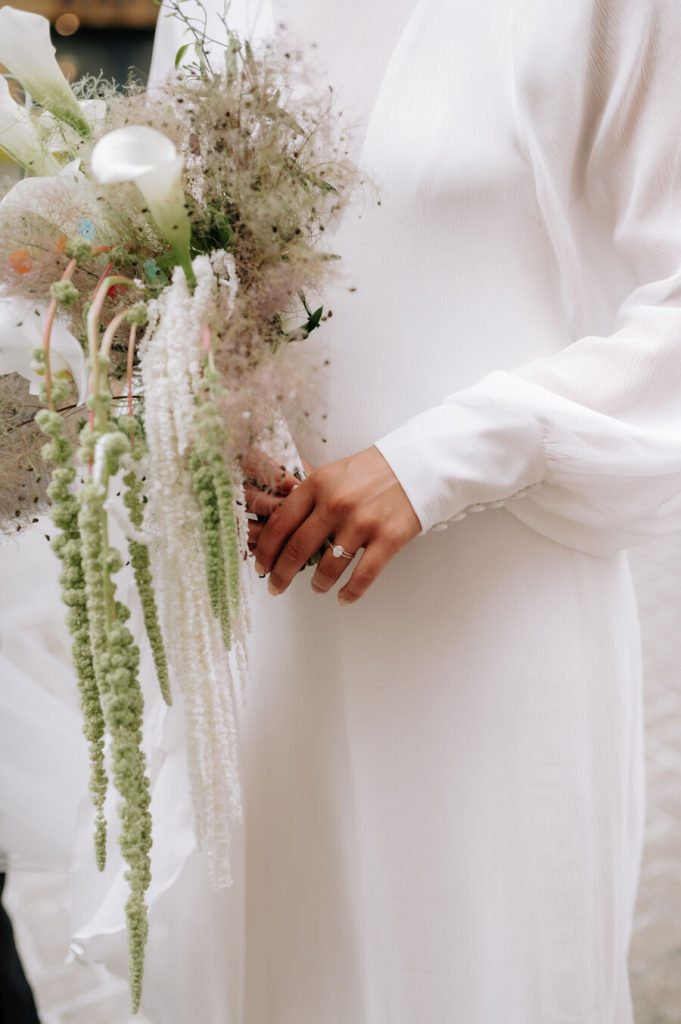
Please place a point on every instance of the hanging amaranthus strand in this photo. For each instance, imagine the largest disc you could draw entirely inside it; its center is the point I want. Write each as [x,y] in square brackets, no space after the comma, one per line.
[116,663]
[139,555]
[214,490]
[67,547]
[171,375]
[115,655]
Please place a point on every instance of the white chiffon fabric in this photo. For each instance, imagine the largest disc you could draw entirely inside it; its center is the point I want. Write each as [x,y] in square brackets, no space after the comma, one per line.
[443,784]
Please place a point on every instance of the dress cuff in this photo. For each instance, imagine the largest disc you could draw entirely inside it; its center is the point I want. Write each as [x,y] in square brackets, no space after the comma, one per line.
[476,450]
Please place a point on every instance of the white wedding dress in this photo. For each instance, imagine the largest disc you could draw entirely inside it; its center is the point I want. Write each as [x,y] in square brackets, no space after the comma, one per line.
[443,784]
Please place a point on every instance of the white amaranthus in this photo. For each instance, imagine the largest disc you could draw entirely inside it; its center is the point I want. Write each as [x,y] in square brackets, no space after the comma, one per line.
[199,665]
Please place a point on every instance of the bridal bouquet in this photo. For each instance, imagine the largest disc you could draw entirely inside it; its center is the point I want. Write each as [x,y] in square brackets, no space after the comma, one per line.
[154,265]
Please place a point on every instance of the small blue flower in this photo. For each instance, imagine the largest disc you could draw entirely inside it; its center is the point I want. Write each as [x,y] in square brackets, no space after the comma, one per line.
[151,269]
[86,229]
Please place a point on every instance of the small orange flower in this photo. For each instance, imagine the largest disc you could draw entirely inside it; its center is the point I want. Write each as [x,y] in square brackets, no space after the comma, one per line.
[21,261]
[60,244]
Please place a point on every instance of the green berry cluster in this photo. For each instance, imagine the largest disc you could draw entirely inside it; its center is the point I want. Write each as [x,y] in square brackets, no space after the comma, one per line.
[78,249]
[64,293]
[60,382]
[104,653]
[67,547]
[214,490]
[116,665]
[139,554]
[123,709]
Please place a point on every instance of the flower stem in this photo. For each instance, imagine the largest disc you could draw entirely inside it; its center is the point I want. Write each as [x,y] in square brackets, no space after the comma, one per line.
[99,358]
[183,259]
[94,313]
[109,333]
[131,359]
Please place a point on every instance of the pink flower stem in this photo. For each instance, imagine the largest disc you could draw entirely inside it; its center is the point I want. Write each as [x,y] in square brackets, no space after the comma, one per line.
[93,316]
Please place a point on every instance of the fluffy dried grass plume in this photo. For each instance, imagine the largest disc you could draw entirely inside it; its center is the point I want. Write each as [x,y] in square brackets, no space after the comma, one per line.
[23,474]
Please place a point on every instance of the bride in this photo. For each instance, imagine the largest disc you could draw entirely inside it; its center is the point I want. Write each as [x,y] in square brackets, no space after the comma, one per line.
[442,736]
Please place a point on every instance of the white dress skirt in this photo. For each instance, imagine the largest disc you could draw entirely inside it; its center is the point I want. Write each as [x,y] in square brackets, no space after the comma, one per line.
[443,783]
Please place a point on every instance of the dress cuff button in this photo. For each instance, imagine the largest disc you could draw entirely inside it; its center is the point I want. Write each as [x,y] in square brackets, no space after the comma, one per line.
[459,515]
[438,527]
[478,507]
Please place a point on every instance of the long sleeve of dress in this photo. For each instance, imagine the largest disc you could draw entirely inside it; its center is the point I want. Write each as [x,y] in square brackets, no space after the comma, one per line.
[593,431]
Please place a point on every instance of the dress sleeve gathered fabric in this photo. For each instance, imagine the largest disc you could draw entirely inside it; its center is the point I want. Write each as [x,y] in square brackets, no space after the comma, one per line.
[594,431]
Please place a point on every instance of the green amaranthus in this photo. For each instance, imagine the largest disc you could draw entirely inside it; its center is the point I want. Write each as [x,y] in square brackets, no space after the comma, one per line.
[105,654]
[214,490]
[116,665]
[67,547]
[133,499]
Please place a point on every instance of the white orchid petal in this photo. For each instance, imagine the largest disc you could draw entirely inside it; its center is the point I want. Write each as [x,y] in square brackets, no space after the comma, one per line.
[27,52]
[21,331]
[19,138]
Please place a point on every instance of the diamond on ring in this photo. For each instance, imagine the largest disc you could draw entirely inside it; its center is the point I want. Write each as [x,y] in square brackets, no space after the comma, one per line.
[338,551]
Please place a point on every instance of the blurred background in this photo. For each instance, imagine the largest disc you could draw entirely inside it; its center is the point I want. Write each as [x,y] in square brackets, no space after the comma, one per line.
[111,36]
[116,37]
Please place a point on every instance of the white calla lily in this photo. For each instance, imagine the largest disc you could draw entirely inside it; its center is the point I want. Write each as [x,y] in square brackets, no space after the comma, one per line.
[148,158]
[19,138]
[27,52]
[21,331]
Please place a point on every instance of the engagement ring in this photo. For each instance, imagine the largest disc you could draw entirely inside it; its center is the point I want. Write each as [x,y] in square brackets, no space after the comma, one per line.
[338,551]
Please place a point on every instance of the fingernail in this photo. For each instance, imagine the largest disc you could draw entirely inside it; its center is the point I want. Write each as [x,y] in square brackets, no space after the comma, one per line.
[317,590]
[343,601]
[259,569]
[272,588]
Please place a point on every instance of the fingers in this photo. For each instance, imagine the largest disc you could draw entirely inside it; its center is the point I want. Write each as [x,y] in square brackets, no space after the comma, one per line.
[283,522]
[268,474]
[330,568]
[300,547]
[370,566]
[254,531]
[261,502]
